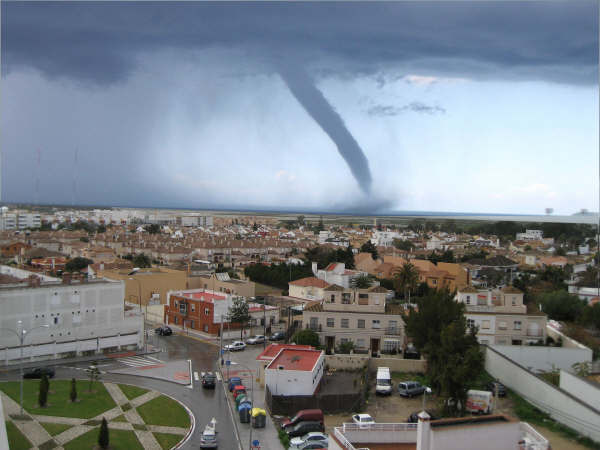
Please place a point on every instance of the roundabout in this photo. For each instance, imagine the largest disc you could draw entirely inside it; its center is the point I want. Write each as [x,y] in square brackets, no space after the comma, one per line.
[138,418]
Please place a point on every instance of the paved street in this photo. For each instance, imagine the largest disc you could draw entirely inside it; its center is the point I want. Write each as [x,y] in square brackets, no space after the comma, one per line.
[204,403]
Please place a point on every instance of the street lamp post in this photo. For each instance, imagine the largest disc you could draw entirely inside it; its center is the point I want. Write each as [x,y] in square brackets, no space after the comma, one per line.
[143,315]
[427,391]
[251,398]
[21,336]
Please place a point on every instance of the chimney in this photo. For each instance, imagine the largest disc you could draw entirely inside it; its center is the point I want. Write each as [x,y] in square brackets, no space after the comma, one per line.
[314,268]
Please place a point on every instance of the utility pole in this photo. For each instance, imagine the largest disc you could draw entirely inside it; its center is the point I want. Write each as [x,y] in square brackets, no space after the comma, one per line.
[221,341]
[264,322]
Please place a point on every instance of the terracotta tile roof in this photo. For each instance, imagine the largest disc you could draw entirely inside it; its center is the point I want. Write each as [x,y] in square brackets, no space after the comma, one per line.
[334,287]
[378,289]
[310,281]
[314,307]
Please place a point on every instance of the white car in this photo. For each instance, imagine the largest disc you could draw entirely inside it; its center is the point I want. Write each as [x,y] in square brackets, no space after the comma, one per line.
[235,346]
[363,419]
[298,443]
[258,339]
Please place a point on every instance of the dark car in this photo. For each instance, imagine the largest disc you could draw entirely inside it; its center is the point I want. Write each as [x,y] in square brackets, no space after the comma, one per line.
[39,372]
[302,428]
[277,336]
[496,386]
[164,331]
[209,380]
[411,353]
[414,417]
[233,382]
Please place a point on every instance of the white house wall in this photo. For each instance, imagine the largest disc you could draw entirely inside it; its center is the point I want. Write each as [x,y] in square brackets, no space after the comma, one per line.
[544,358]
[580,388]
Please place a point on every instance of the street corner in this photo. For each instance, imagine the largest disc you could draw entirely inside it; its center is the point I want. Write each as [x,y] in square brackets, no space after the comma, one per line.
[174,371]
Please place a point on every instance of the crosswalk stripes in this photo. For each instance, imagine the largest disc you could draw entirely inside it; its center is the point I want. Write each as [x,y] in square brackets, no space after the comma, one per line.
[140,361]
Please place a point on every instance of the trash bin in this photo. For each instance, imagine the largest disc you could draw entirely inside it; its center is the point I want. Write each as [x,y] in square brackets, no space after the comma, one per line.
[239,389]
[259,418]
[240,398]
[233,381]
[244,411]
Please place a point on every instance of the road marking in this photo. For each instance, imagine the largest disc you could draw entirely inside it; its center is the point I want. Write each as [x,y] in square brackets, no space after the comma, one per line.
[196,377]
[155,359]
[139,361]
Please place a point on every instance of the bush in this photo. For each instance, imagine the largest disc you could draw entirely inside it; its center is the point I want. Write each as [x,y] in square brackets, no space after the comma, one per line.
[43,394]
[283,438]
[346,347]
[73,393]
[306,337]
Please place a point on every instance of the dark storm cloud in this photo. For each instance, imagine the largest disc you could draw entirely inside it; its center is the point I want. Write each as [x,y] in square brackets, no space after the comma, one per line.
[418,107]
[98,42]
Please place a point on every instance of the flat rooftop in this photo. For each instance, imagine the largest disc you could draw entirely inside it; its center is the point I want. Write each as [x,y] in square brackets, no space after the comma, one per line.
[295,359]
[273,349]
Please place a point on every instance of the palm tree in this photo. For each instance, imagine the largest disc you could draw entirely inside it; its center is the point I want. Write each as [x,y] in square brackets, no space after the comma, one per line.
[363,281]
[406,279]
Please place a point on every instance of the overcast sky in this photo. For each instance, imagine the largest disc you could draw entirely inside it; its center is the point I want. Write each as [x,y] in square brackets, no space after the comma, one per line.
[428,106]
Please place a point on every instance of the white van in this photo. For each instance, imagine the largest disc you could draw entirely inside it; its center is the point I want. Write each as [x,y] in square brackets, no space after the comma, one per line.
[479,402]
[384,381]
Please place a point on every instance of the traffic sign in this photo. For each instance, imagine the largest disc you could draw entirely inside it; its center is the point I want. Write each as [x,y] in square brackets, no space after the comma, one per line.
[227,363]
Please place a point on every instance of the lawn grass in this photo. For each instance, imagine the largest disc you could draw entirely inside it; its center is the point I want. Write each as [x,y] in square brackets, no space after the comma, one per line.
[16,440]
[118,439]
[167,441]
[90,404]
[55,428]
[164,411]
[410,376]
[529,413]
[132,392]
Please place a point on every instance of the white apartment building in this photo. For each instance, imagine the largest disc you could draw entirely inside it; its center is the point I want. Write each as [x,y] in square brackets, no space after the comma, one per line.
[63,317]
[501,317]
[8,221]
[28,220]
[336,273]
[530,235]
[384,238]
[359,316]
[295,371]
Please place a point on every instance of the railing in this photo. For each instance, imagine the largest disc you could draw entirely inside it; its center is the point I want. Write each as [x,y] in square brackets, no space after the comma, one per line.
[314,327]
[481,308]
[531,439]
[393,331]
[342,439]
[536,333]
[346,427]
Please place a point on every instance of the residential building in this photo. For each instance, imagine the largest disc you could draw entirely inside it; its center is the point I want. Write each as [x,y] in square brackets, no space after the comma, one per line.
[69,316]
[359,316]
[309,288]
[205,310]
[295,371]
[222,282]
[501,317]
[336,273]
[13,249]
[99,254]
[8,221]
[28,220]
[384,238]
[530,235]
[269,353]
[492,432]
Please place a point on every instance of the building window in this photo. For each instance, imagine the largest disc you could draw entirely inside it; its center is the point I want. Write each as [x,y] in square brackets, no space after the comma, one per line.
[363,296]
[206,311]
[192,324]
[468,300]
[502,326]
[175,320]
[182,308]
[470,323]
[314,323]
[345,323]
[360,343]
[330,322]
[485,324]
[193,307]
[514,301]
[346,299]
[343,340]
[361,323]
[376,323]
[175,303]
[332,298]
[517,324]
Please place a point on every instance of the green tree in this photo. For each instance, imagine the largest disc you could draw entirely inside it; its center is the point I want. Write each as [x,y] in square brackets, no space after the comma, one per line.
[141,260]
[153,228]
[103,437]
[84,239]
[402,244]
[77,264]
[362,281]
[406,279]
[560,305]
[306,337]
[43,392]
[369,247]
[73,393]
[438,328]
[101,229]
[239,313]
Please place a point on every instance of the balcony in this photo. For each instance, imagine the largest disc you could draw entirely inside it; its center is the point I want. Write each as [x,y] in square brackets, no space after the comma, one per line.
[317,328]
[393,331]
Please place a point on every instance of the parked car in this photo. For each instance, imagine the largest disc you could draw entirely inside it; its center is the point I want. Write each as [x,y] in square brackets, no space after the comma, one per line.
[304,415]
[314,446]
[277,336]
[300,429]
[496,386]
[235,346]
[258,339]
[233,382]
[414,417]
[39,372]
[209,380]
[314,437]
[362,419]
[383,384]
[410,388]
[163,331]
[208,438]
[411,353]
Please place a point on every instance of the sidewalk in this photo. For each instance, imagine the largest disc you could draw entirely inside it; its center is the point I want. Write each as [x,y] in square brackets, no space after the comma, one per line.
[78,359]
